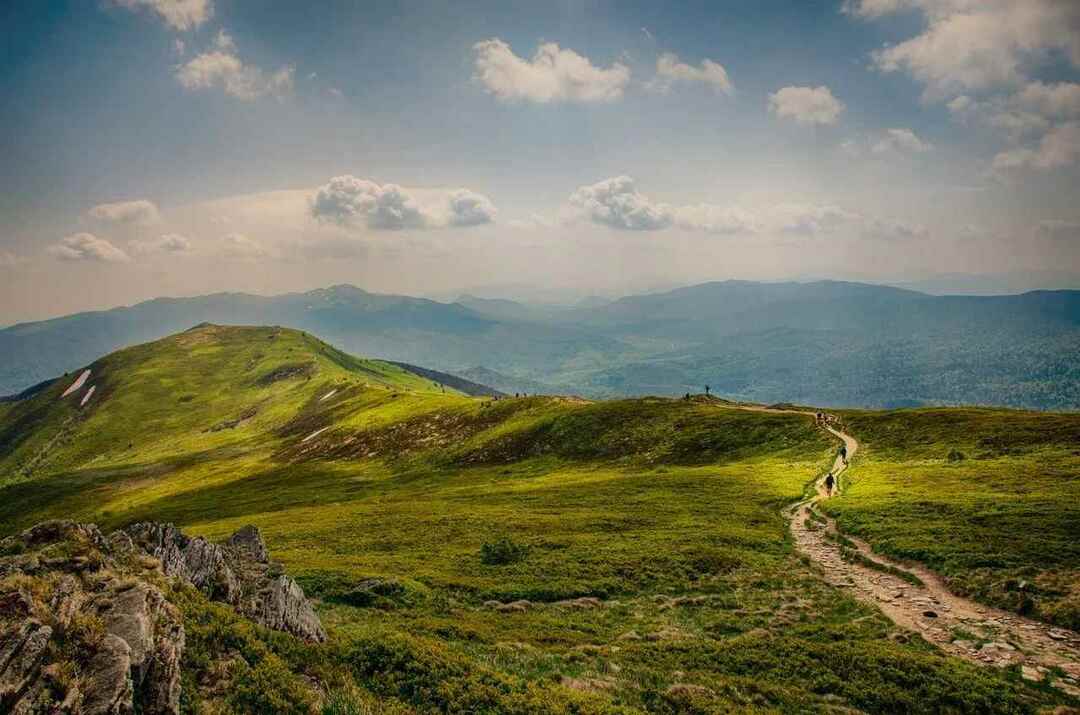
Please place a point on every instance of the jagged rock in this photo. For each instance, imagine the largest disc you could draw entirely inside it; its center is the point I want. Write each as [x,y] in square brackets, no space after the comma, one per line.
[239,573]
[131,638]
[197,561]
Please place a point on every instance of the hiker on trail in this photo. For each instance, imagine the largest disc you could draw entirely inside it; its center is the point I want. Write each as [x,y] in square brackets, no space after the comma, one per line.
[829,481]
[843,453]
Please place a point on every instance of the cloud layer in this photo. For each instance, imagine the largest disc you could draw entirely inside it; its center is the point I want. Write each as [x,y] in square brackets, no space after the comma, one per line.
[616,203]
[553,74]
[351,201]
[88,247]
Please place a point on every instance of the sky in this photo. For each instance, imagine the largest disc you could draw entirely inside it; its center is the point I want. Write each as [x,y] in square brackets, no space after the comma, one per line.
[536,150]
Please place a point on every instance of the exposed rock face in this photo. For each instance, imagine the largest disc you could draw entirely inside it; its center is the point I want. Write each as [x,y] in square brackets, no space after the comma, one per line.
[85,624]
[79,632]
[239,573]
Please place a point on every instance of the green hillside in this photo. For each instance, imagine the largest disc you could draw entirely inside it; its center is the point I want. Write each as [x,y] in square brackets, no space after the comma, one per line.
[202,390]
[988,498]
[528,555]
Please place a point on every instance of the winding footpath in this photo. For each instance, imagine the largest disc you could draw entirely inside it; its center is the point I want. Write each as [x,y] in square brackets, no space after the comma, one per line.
[959,626]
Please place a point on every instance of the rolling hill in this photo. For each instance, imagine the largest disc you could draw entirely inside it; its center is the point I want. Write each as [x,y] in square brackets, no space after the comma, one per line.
[522,555]
[826,343]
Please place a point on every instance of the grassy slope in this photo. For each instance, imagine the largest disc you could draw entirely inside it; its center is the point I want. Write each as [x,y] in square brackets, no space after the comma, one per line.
[636,502]
[1003,523]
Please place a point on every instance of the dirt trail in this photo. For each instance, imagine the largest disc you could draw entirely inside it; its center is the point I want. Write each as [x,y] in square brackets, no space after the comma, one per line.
[957,625]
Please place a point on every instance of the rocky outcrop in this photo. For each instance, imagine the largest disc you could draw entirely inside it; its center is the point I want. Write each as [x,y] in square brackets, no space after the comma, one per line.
[86,625]
[239,573]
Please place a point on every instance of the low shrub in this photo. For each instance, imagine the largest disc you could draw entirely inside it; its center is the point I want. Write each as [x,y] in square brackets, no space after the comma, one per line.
[502,552]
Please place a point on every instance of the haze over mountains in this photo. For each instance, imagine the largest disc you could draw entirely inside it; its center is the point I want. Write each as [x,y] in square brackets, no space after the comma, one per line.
[825,343]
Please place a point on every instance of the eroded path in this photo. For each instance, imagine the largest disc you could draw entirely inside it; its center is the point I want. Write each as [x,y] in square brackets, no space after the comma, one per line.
[957,625]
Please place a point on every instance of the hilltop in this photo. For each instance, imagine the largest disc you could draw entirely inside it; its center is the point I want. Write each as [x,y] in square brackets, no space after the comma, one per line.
[208,388]
[824,343]
[522,555]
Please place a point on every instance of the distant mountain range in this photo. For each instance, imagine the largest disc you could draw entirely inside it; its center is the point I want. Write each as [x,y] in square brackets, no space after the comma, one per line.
[825,343]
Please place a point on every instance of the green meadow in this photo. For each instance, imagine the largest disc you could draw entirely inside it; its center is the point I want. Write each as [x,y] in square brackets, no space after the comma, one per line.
[988,498]
[529,555]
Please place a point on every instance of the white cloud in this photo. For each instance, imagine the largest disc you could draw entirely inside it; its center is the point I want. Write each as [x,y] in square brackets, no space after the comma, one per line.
[138,213]
[348,201]
[616,203]
[222,67]
[1059,230]
[670,70]
[468,208]
[806,105]
[166,243]
[973,45]
[1058,148]
[178,14]
[552,75]
[900,140]
[88,247]
[238,245]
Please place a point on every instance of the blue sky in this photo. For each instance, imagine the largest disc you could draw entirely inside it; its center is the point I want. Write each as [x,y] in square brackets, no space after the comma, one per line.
[186,146]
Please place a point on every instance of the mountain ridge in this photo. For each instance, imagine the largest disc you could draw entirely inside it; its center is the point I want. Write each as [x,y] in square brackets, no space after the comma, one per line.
[755,341]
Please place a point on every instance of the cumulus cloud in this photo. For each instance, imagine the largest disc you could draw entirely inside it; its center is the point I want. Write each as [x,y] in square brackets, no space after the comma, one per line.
[900,141]
[971,45]
[349,201]
[1059,147]
[178,14]
[806,105]
[137,213]
[616,203]
[238,245]
[669,70]
[88,247]
[222,67]
[166,243]
[468,208]
[553,74]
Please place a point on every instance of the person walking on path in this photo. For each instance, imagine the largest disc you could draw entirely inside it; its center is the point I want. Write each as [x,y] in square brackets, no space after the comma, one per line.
[829,482]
